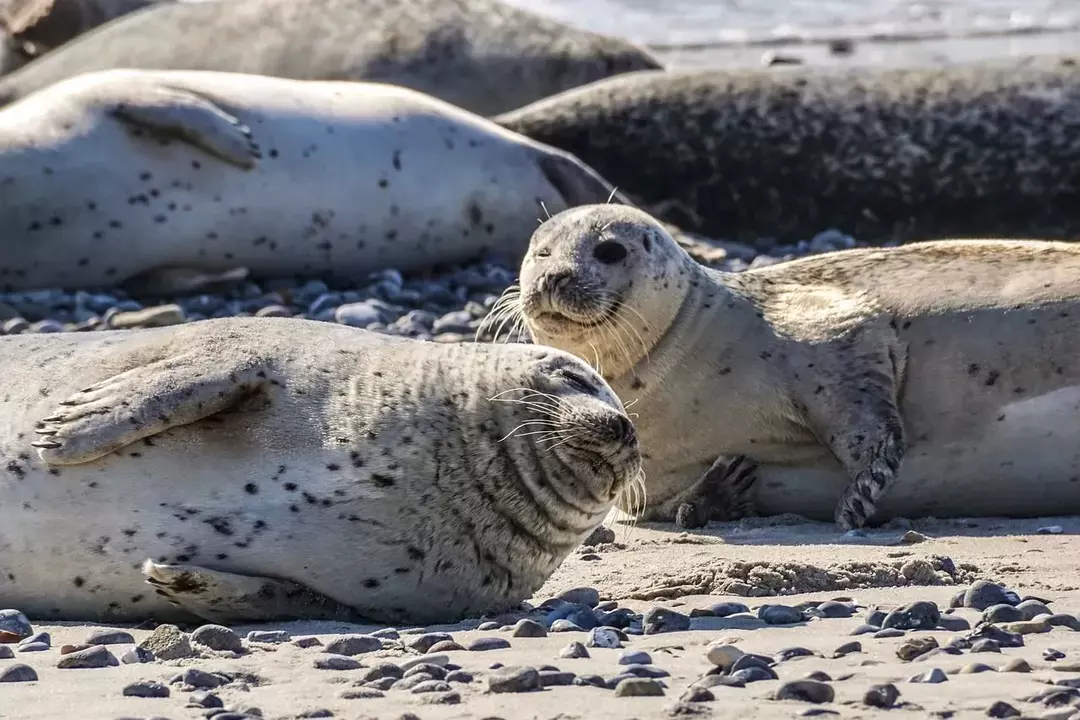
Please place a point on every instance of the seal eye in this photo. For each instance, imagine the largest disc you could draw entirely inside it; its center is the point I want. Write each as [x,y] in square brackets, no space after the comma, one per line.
[578,382]
[609,252]
[543,252]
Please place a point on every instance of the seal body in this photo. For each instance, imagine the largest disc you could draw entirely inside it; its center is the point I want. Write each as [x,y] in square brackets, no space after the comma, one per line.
[938,378]
[974,150]
[483,55]
[114,174]
[373,474]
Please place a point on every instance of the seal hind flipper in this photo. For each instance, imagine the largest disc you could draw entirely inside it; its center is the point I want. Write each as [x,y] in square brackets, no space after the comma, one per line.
[724,493]
[192,118]
[223,597]
[145,401]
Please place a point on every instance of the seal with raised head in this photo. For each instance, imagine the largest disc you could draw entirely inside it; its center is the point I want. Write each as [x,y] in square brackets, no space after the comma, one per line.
[257,479]
[483,55]
[938,378]
[987,149]
[34,27]
[126,173]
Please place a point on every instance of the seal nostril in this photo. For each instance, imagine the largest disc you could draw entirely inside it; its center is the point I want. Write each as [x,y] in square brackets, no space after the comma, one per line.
[609,252]
[624,427]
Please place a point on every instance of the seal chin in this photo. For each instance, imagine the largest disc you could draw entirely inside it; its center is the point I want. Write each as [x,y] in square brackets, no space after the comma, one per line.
[561,321]
[609,455]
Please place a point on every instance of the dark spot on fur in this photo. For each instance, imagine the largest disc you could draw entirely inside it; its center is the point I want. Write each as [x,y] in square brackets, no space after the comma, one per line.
[992,377]
[333,467]
[251,488]
[78,581]
[973,369]
[382,480]
[415,553]
[290,486]
[371,583]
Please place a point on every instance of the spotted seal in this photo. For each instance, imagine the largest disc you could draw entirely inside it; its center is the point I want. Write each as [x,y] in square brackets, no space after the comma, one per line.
[133,175]
[483,55]
[938,378]
[255,479]
[34,27]
[970,150]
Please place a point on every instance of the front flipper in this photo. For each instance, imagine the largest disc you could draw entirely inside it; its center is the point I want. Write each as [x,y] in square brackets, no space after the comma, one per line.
[222,597]
[182,114]
[724,492]
[145,401]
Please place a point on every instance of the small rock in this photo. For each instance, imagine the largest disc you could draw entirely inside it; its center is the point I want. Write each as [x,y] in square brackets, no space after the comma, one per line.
[913,648]
[1064,620]
[603,638]
[1051,530]
[590,681]
[564,625]
[166,642]
[353,645]
[754,673]
[445,646]
[881,696]
[514,680]
[423,643]
[411,681]
[1028,627]
[1002,709]
[270,637]
[459,676]
[307,642]
[6,653]
[986,645]
[136,656]
[1002,613]
[847,648]
[975,668]
[526,628]
[780,615]
[600,536]
[360,693]
[1033,609]
[33,647]
[819,675]
[922,615]
[911,538]
[587,596]
[195,678]
[14,626]
[1051,655]
[790,653]
[95,657]
[661,620]
[889,633]
[217,637]
[728,608]
[649,671]
[204,699]
[953,623]
[161,316]
[489,643]
[810,691]
[146,689]
[18,673]
[429,686]
[574,651]
[723,655]
[434,671]
[336,662]
[382,670]
[634,657]
[994,632]
[441,660]
[553,678]
[1016,665]
[359,314]
[865,629]
[833,609]
[696,694]
[983,593]
[638,687]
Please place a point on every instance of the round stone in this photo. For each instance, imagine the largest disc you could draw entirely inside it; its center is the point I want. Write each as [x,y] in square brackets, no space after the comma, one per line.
[146,689]
[662,620]
[634,657]
[638,687]
[95,657]
[983,594]
[810,691]
[587,596]
[780,615]
[336,662]
[574,651]
[217,637]
[526,628]
[513,680]
[18,673]
[881,696]
[603,638]
[723,655]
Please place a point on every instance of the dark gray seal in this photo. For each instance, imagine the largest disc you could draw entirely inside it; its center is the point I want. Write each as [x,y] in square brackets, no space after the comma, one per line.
[961,151]
[483,55]
[264,468]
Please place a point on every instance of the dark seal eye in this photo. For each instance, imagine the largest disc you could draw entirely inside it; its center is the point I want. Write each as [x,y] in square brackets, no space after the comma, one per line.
[609,252]
[543,252]
[578,382]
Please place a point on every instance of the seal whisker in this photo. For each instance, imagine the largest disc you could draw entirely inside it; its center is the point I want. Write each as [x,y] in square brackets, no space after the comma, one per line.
[528,422]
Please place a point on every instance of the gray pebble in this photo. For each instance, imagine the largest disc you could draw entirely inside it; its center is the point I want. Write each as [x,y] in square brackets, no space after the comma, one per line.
[274,311]
[514,680]
[865,629]
[552,678]
[526,628]
[94,657]
[195,678]
[728,608]
[15,326]
[271,637]
[1002,613]
[810,691]
[696,694]
[1033,608]
[361,314]
[649,671]
[661,620]
[881,696]
[638,687]
[574,651]
[436,659]
[430,686]
[136,656]
[1016,665]
[489,643]
[40,638]
[747,660]
[780,615]
[25,647]
[847,648]
[952,623]
[819,675]
[204,699]
[360,693]
[603,638]
[336,662]
[1064,620]
[975,668]
[488,626]
[985,645]
[146,689]
[424,642]
[168,643]
[385,670]
[353,645]
[753,674]
[408,683]
[445,646]
[587,596]
[110,637]
[217,637]
[1051,654]
[46,326]
[382,683]
[932,676]
[459,676]
[921,615]
[564,625]
[600,536]
[590,681]
[983,594]
[434,671]
[1002,709]
[889,633]
[6,653]
[13,622]
[634,657]
[833,609]
[18,673]
[385,634]
[793,652]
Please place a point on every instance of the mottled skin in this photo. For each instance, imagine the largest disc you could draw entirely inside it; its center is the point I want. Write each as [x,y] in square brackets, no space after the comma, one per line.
[938,378]
[34,27]
[120,173]
[960,151]
[483,55]
[264,480]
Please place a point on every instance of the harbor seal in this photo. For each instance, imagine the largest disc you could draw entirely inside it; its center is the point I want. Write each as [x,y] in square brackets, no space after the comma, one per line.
[263,480]
[938,378]
[132,175]
[34,27]
[974,150]
[483,55]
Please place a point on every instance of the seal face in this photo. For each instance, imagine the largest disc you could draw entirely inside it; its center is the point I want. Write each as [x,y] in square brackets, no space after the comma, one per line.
[950,360]
[249,480]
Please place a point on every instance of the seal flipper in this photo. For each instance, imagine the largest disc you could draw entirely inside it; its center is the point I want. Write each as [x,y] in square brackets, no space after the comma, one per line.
[578,183]
[171,281]
[223,597]
[196,120]
[722,493]
[144,401]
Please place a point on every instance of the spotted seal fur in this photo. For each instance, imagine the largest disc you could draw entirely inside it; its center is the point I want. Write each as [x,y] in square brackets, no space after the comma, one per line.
[135,176]
[938,378]
[258,480]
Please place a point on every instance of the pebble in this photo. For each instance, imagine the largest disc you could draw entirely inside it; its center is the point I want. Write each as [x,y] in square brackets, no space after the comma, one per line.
[136,656]
[881,696]
[1050,530]
[160,316]
[912,537]
[638,687]
[952,623]
[14,626]
[648,671]
[833,609]
[424,642]
[780,615]
[489,643]
[146,689]
[513,680]
[1002,709]
[634,657]
[441,660]
[865,629]
[723,655]
[307,642]
[270,637]
[166,642]
[1003,613]
[1033,609]
[386,634]
[983,594]
[353,645]
[710,681]
[430,686]
[810,691]
[922,615]
[1027,627]
[552,678]
[1064,620]
[18,673]
[336,662]
[889,633]
[986,645]
[600,536]
[435,671]
[204,699]
[360,693]
[6,653]
[1019,665]
[754,673]
[696,694]
[217,637]
[1051,654]
[662,620]
[913,648]
[574,651]
[603,638]
[381,671]
[488,626]
[526,628]
[408,683]
[590,681]
[847,648]
[33,646]
[994,632]
[459,676]
[110,637]
[790,653]
[200,679]
[563,625]
[95,657]
[360,314]
[445,646]
[581,596]
[819,675]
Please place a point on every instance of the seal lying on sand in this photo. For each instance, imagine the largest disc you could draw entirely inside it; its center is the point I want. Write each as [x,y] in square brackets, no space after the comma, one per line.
[34,27]
[987,149]
[483,55]
[264,480]
[121,173]
[940,378]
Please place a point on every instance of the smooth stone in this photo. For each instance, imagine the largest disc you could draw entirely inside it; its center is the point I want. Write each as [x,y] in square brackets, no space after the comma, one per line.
[983,594]
[14,626]
[911,537]
[445,646]
[1050,655]
[161,316]
[881,696]
[18,673]
[752,660]
[913,648]
[382,683]
[819,675]
[514,679]
[383,670]
[526,628]
[307,642]
[488,626]
[136,656]
[359,314]
[587,596]
[146,689]
[385,634]
[429,686]
[696,694]
[711,681]
[217,637]
[638,687]
[33,647]
[204,700]
[603,638]
[336,662]
[987,645]
[6,653]
[1002,709]
[488,643]
[411,681]
[790,653]
[195,678]
[658,620]
[1027,627]
[600,536]
[975,668]
[441,660]
[1016,665]
[634,657]
[423,643]
[889,633]
[166,642]
[833,609]
[1033,609]
[552,678]
[865,629]
[1064,620]
[754,674]
[933,676]
[953,623]
[810,691]
[1002,613]
[996,633]
[723,655]
[270,637]
[564,625]
[780,615]
[434,671]
[921,615]
[728,608]
[620,619]
[574,651]
[649,671]
[459,676]
[590,681]
[360,693]
[95,657]
[41,638]
[1050,530]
